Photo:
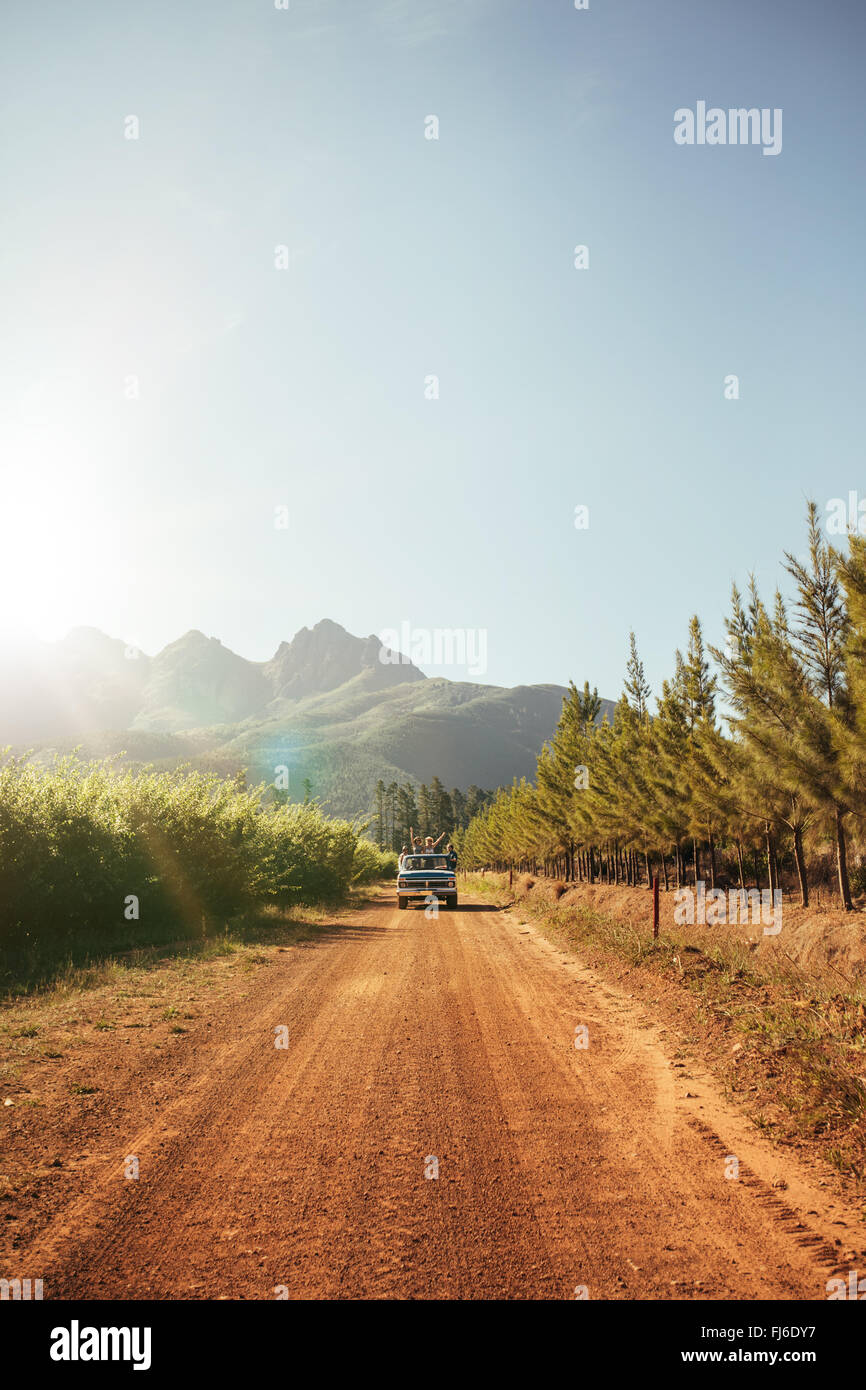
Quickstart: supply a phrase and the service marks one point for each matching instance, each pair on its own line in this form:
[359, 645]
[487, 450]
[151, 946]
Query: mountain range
[324, 708]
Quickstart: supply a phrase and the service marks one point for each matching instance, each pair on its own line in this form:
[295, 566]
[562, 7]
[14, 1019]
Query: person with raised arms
[420, 846]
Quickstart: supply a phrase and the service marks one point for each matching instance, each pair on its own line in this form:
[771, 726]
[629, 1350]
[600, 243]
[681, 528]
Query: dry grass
[152, 995]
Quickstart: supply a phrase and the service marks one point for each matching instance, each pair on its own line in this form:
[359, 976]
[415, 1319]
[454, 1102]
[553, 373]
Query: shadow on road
[463, 907]
[343, 931]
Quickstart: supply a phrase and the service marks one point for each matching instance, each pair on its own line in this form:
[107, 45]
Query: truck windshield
[424, 861]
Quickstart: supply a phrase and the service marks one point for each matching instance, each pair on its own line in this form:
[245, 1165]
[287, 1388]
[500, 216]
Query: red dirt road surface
[416, 1044]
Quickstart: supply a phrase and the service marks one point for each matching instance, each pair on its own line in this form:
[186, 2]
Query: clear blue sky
[408, 257]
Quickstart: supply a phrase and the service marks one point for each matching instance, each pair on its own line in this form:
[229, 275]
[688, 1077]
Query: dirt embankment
[820, 937]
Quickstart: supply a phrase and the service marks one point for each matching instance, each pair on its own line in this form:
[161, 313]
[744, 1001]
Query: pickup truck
[422, 876]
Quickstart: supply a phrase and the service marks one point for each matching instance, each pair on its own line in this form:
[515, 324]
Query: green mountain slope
[325, 708]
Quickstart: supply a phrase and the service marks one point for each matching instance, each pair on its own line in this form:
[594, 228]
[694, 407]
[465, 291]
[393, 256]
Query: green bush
[77, 840]
[372, 863]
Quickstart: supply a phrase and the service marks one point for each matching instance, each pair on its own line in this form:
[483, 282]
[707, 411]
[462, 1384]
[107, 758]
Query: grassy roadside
[788, 1046]
[51, 1030]
[90, 954]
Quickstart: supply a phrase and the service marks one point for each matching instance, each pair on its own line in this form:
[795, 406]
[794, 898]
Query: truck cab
[424, 876]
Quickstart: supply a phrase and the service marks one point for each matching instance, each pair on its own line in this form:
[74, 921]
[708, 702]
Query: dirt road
[417, 1046]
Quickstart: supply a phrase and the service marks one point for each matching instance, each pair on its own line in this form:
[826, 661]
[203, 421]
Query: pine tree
[820, 640]
[637, 687]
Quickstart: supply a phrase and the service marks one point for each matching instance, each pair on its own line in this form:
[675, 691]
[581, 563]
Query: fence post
[655, 906]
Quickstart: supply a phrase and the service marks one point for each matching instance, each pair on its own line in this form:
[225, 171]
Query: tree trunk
[842, 862]
[740, 864]
[800, 861]
[770, 860]
[712, 845]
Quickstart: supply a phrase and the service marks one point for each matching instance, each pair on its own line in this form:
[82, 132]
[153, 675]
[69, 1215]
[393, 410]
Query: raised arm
[441, 837]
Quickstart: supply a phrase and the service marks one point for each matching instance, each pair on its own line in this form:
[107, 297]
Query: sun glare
[52, 543]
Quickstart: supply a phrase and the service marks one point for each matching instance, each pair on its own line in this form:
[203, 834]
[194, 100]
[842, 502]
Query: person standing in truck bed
[420, 846]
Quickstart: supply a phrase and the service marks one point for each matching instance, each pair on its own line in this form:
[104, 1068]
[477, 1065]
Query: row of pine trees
[750, 769]
[427, 810]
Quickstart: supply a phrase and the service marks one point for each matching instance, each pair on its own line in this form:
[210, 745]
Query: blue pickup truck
[424, 876]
